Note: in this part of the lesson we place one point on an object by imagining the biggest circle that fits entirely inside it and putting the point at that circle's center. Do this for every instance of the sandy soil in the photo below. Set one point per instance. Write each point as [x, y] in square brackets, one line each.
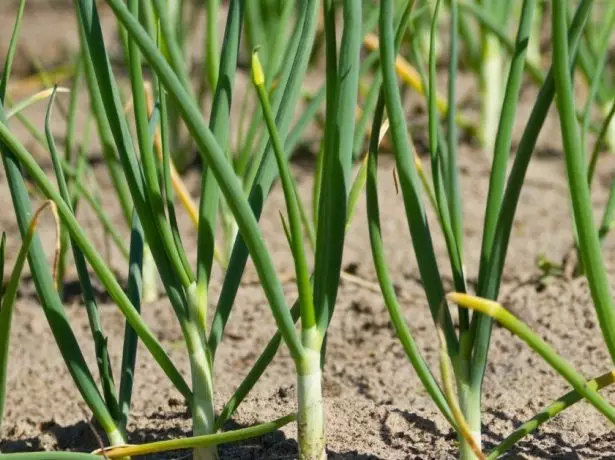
[376, 407]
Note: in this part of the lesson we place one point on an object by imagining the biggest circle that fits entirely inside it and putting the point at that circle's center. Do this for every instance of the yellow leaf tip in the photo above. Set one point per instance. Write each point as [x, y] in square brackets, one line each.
[258, 75]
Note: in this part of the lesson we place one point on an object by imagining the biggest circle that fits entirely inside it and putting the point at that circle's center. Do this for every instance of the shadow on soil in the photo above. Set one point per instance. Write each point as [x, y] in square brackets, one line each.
[82, 437]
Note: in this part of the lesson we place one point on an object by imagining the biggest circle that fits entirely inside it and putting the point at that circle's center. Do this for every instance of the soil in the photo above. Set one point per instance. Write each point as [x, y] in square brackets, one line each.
[376, 407]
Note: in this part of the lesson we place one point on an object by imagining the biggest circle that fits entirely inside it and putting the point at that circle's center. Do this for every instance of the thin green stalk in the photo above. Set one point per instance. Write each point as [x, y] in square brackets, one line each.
[439, 169]
[71, 125]
[203, 416]
[255, 30]
[520, 329]
[487, 22]
[534, 57]
[217, 160]
[102, 216]
[89, 298]
[342, 92]
[452, 174]
[368, 107]
[278, 39]
[200, 441]
[608, 218]
[254, 374]
[386, 285]
[68, 155]
[306, 299]
[8, 296]
[489, 279]
[172, 47]
[152, 191]
[134, 292]
[548, 413]
[211, 43]
[81, 162]
[104, 132]
[219, 124]
[503, 138]
[589, 243]
[597, 77]
[295, 61]
[409, 180]
[284, 101]
[496, 205]
[17, 150]
[470, 443]
[37, 260]
[175, 279]
[10, 52]
[490, 78]
[593, 160]
[167, 184]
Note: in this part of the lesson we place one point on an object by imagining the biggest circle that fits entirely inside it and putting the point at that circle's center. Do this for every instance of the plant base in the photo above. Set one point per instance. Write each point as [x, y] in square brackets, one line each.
[311, 416]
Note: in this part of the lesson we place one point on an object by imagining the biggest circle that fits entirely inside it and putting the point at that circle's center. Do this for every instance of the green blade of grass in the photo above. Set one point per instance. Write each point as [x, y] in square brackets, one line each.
[167, 184]
[254, 25]
[495, 197]
[10, 52]
[175, 56]
[211, 43]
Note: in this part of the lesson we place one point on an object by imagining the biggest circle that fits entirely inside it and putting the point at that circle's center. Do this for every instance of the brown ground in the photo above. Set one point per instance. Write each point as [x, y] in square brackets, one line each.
[376, 407]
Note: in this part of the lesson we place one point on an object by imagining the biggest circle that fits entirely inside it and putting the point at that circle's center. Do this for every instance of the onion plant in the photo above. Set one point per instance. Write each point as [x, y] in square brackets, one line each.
[468, 347]
[146, 192]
